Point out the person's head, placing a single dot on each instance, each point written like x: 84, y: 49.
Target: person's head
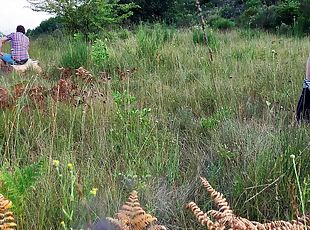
x: 21, y: 29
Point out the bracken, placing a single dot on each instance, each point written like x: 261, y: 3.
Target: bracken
x: 131, y: 216
x: 7, y: 221
x: 224, y: 218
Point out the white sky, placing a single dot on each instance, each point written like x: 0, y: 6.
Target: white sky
x: 15, y: 12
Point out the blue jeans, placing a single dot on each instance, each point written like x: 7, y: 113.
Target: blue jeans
x: 8, y: 59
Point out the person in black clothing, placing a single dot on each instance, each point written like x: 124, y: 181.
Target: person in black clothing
x: 303, y: 106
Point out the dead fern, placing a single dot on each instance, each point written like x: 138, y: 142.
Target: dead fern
x: 224, y: 218
x: 7, y: 221
x: 84, y: 75
x: 131, y: 216
x: 4, y: 98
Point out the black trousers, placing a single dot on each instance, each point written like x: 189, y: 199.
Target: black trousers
x: 303, y: 106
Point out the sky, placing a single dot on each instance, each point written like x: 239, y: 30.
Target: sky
x: 15, y: 12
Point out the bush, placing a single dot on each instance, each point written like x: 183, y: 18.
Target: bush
x: 287, y: 11
x: 76, y: 55
x: 99, y: 53
x: 198, y: 38
x: 222, y: 23
x: 151, y: 39
x: 266, y: 17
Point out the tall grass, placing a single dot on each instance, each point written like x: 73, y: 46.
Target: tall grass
x: 176, y: 118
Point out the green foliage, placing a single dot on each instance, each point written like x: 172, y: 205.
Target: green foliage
x: 151, y: 39
x: 18, y: 182
x: 76, y: 54
x: 198, y: 38
x: 46, y: 27
x: 152, y: 10
x: 99, y: 53
x: 85, y: 16
x: 212, y: 121
x: 222, y: 23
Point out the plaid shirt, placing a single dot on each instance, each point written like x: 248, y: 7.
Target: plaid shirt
x: 19, y: 46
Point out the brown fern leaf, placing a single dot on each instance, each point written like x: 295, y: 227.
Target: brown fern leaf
x: 118, y: 225
x: 157, y: 227
x: 37, y: 95
x: 61, y: 92
x: 65, y: 73
x: 217, y: 197
x: 202, y: 217
x: 104, y: 77
x: 18, y: 91
x: 7, y: 221
x: 220, y: 216
x: 133, y: 215
x: 4, y: 98
x: 84, y: 74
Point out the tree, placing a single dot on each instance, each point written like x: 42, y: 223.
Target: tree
x: 86, y: 16
x: 151, y: 10
x: 46, y: 27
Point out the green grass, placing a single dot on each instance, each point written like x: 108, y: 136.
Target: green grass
x: 176, y: 118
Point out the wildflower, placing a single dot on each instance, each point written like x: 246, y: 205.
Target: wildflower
x: 268, y: 103
x: 70, y: 166
x: 93, y: 191
x: 56, y: 163
x: 62, y: 223
x: 292, y: 156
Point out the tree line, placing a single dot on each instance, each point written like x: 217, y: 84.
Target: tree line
x: 91, y: 16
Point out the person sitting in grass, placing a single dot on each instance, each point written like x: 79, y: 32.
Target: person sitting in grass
x: 19, y: 47
x: 303, y: 106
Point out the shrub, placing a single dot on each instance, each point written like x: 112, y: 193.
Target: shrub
x: 266, y: 17
x: 198, y: 38
x: 76, y: 55
x: 151, y: 39
x: 123, y: 34
x: 99, y: 53
x: 223, y: 23
x: 287, y: 11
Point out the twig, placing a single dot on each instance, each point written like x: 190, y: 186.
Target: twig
x: 203, y: 27
x: 265, y: 188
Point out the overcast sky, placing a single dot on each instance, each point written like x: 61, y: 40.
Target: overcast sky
x: 15, y: 12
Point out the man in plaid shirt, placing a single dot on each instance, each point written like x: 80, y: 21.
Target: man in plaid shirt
x: 19, y: 47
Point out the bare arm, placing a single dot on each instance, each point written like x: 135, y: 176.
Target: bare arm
x: 308, y: 69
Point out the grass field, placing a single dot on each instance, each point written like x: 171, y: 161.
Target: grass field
x: 156, y: 130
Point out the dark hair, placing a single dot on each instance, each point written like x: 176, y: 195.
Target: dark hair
x: 21, y: 29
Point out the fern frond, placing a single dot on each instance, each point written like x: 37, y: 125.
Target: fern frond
x: 157, y: 227
x: 225, y: 217
x: 116, y: 224
x: 7, y: 221
x: 202, y: 218
x: 217, y: 197
x: 133, y: 215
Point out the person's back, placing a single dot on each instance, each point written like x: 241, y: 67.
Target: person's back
x: 19, y: 46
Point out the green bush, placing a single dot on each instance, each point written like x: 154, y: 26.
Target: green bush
x: 76, y: 55
x: 222, y: 23
x: 198, y: 38
x: 99, y: 53
x: 123, y: 34
x: 150, y: 39
x: 266, y: 17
